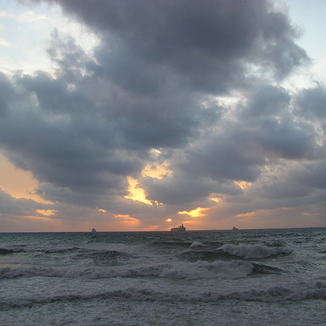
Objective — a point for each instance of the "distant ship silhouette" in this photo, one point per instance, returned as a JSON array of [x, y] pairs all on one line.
[[180, 228]]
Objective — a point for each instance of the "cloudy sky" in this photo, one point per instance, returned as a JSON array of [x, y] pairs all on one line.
[[140, 115]]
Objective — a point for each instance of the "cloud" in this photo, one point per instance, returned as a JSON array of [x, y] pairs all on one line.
[[228, 153], [155, 82], [11, 206], [5, 43], [186, 190], [204, 46], [288, 139], [266, 100], [311, 102], [7, 93], [30, 18]]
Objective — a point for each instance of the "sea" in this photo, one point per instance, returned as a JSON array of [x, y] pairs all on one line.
[[242, 277]]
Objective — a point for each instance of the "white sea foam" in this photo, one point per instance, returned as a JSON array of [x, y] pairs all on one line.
[[197, 244]]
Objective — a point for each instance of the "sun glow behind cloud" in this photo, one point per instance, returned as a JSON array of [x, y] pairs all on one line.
[[198, 212], [46, 212], [157, 170], [243, 184], [137, 193]]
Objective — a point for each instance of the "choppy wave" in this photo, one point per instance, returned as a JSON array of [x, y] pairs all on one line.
[[208, 274], [175, 270], [4, 251], [172, 243], [108, 257], [205, 255], [59, 250], [200, 270], [271, 294], [219, 269], [229, 251], [254, 251], [186, 243]]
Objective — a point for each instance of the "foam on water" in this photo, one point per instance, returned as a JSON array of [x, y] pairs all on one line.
[[197, 278], [197, 244]]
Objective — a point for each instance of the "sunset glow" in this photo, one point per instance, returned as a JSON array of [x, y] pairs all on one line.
[[198, 212], [137, 193], [128, 220]]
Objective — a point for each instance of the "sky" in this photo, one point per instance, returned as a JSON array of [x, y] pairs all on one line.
[[141, 115]]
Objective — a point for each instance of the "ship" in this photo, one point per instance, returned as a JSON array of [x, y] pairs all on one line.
[[235, 228], [93, 230], [179, 228]]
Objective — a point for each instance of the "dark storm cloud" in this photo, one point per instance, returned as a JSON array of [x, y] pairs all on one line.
[[297, 185], [288, 139], [312, 174], [202, 45], [151, 83], [266, 100], [54, 95], [311, 104], [69, 150], [229, 153], [238, 152], [186, 189], [6, 94]]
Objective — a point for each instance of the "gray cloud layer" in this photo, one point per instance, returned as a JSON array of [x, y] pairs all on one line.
[[152, 82]]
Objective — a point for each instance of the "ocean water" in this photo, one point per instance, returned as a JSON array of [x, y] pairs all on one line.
[[244, 277]]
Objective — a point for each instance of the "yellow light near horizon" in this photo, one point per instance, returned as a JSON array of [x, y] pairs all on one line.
[[195, 212], [126, 219], [54, 221], [169, 220], [136, 192], [18, 183]]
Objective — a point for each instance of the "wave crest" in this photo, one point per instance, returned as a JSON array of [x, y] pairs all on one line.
[[254, 251]]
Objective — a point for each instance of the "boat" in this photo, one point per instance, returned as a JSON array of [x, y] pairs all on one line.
[[235, 228], [179, 228], [93, 230]]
